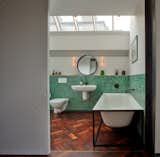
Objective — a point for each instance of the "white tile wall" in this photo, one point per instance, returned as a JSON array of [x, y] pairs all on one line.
[[64, 65]]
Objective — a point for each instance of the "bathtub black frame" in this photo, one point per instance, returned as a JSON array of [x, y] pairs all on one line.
[[95, 134]]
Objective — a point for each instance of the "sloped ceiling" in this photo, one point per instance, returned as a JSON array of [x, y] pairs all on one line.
[[93, 7]]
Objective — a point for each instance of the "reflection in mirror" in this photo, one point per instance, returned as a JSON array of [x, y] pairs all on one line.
[[87, 65]]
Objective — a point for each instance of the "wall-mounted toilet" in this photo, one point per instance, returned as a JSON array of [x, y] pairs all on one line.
[[59, 104]]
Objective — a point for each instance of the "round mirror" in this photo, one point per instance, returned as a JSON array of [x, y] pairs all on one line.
[[87, 65]]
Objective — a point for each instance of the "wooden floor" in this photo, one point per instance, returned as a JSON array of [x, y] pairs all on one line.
[[99, 154], [88, 154], [71, 136], [72, 131]]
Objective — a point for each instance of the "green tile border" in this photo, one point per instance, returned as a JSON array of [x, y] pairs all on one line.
[[138, 83]]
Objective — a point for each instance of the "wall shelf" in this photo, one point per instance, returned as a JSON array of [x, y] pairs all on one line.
[[68, 53]]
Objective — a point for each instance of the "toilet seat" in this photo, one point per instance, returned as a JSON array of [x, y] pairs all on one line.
[[58, 100]]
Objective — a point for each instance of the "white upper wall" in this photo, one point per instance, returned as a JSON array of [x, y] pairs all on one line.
[[113, 45], [89, 41], [93, 7], [111, 64], [24, 110], [138, 28]]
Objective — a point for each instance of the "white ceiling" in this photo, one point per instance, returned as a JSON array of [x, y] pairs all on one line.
[[93, 7]]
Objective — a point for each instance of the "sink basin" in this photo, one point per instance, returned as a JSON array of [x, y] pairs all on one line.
[[85, 89]]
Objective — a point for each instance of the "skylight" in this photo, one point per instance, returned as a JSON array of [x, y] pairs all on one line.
[[67, 23], [89, 23], [85, 23], [121, 23], [103, 23]]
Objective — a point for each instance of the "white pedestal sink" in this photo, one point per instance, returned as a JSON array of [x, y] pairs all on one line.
[[85, 89]]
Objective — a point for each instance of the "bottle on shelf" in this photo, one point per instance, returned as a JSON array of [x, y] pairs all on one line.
[[116, 72]]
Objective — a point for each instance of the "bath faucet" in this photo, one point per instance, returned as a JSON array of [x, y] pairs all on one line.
[[130, 90]]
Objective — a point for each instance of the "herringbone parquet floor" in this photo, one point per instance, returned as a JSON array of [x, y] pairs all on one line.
[[72, 131], [86, 154]]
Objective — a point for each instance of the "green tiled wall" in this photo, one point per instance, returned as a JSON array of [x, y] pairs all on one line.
[[138, 83], [104, 84]]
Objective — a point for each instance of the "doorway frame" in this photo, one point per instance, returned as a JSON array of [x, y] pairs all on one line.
[[149, 77]]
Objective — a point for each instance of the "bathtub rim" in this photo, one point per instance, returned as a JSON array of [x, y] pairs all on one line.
[[117, 110]]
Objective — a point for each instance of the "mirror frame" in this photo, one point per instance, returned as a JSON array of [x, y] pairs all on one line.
[[79, 61]]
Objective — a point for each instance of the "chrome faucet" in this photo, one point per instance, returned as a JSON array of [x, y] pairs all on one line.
[[83, 81]]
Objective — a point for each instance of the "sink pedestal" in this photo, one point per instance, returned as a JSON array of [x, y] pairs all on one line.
[[85, 95]]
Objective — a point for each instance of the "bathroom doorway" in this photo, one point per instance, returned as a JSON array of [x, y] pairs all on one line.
[[122, 68]]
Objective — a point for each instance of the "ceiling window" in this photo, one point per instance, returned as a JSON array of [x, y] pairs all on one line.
[[121, 23], [85, 23], [66, 23], [103, 23], [52, 24], [89, 23]]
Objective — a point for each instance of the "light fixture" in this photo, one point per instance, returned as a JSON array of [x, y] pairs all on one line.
[[101, 61], [74, 61]]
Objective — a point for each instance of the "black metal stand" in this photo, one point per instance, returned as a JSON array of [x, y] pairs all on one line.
[[96, 134]]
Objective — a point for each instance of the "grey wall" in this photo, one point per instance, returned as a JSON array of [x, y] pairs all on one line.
[[23, 77]]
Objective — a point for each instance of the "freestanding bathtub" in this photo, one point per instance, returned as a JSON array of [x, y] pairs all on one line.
[[117, 109]]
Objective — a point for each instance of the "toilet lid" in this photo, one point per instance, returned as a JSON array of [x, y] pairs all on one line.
[[58, 100]]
